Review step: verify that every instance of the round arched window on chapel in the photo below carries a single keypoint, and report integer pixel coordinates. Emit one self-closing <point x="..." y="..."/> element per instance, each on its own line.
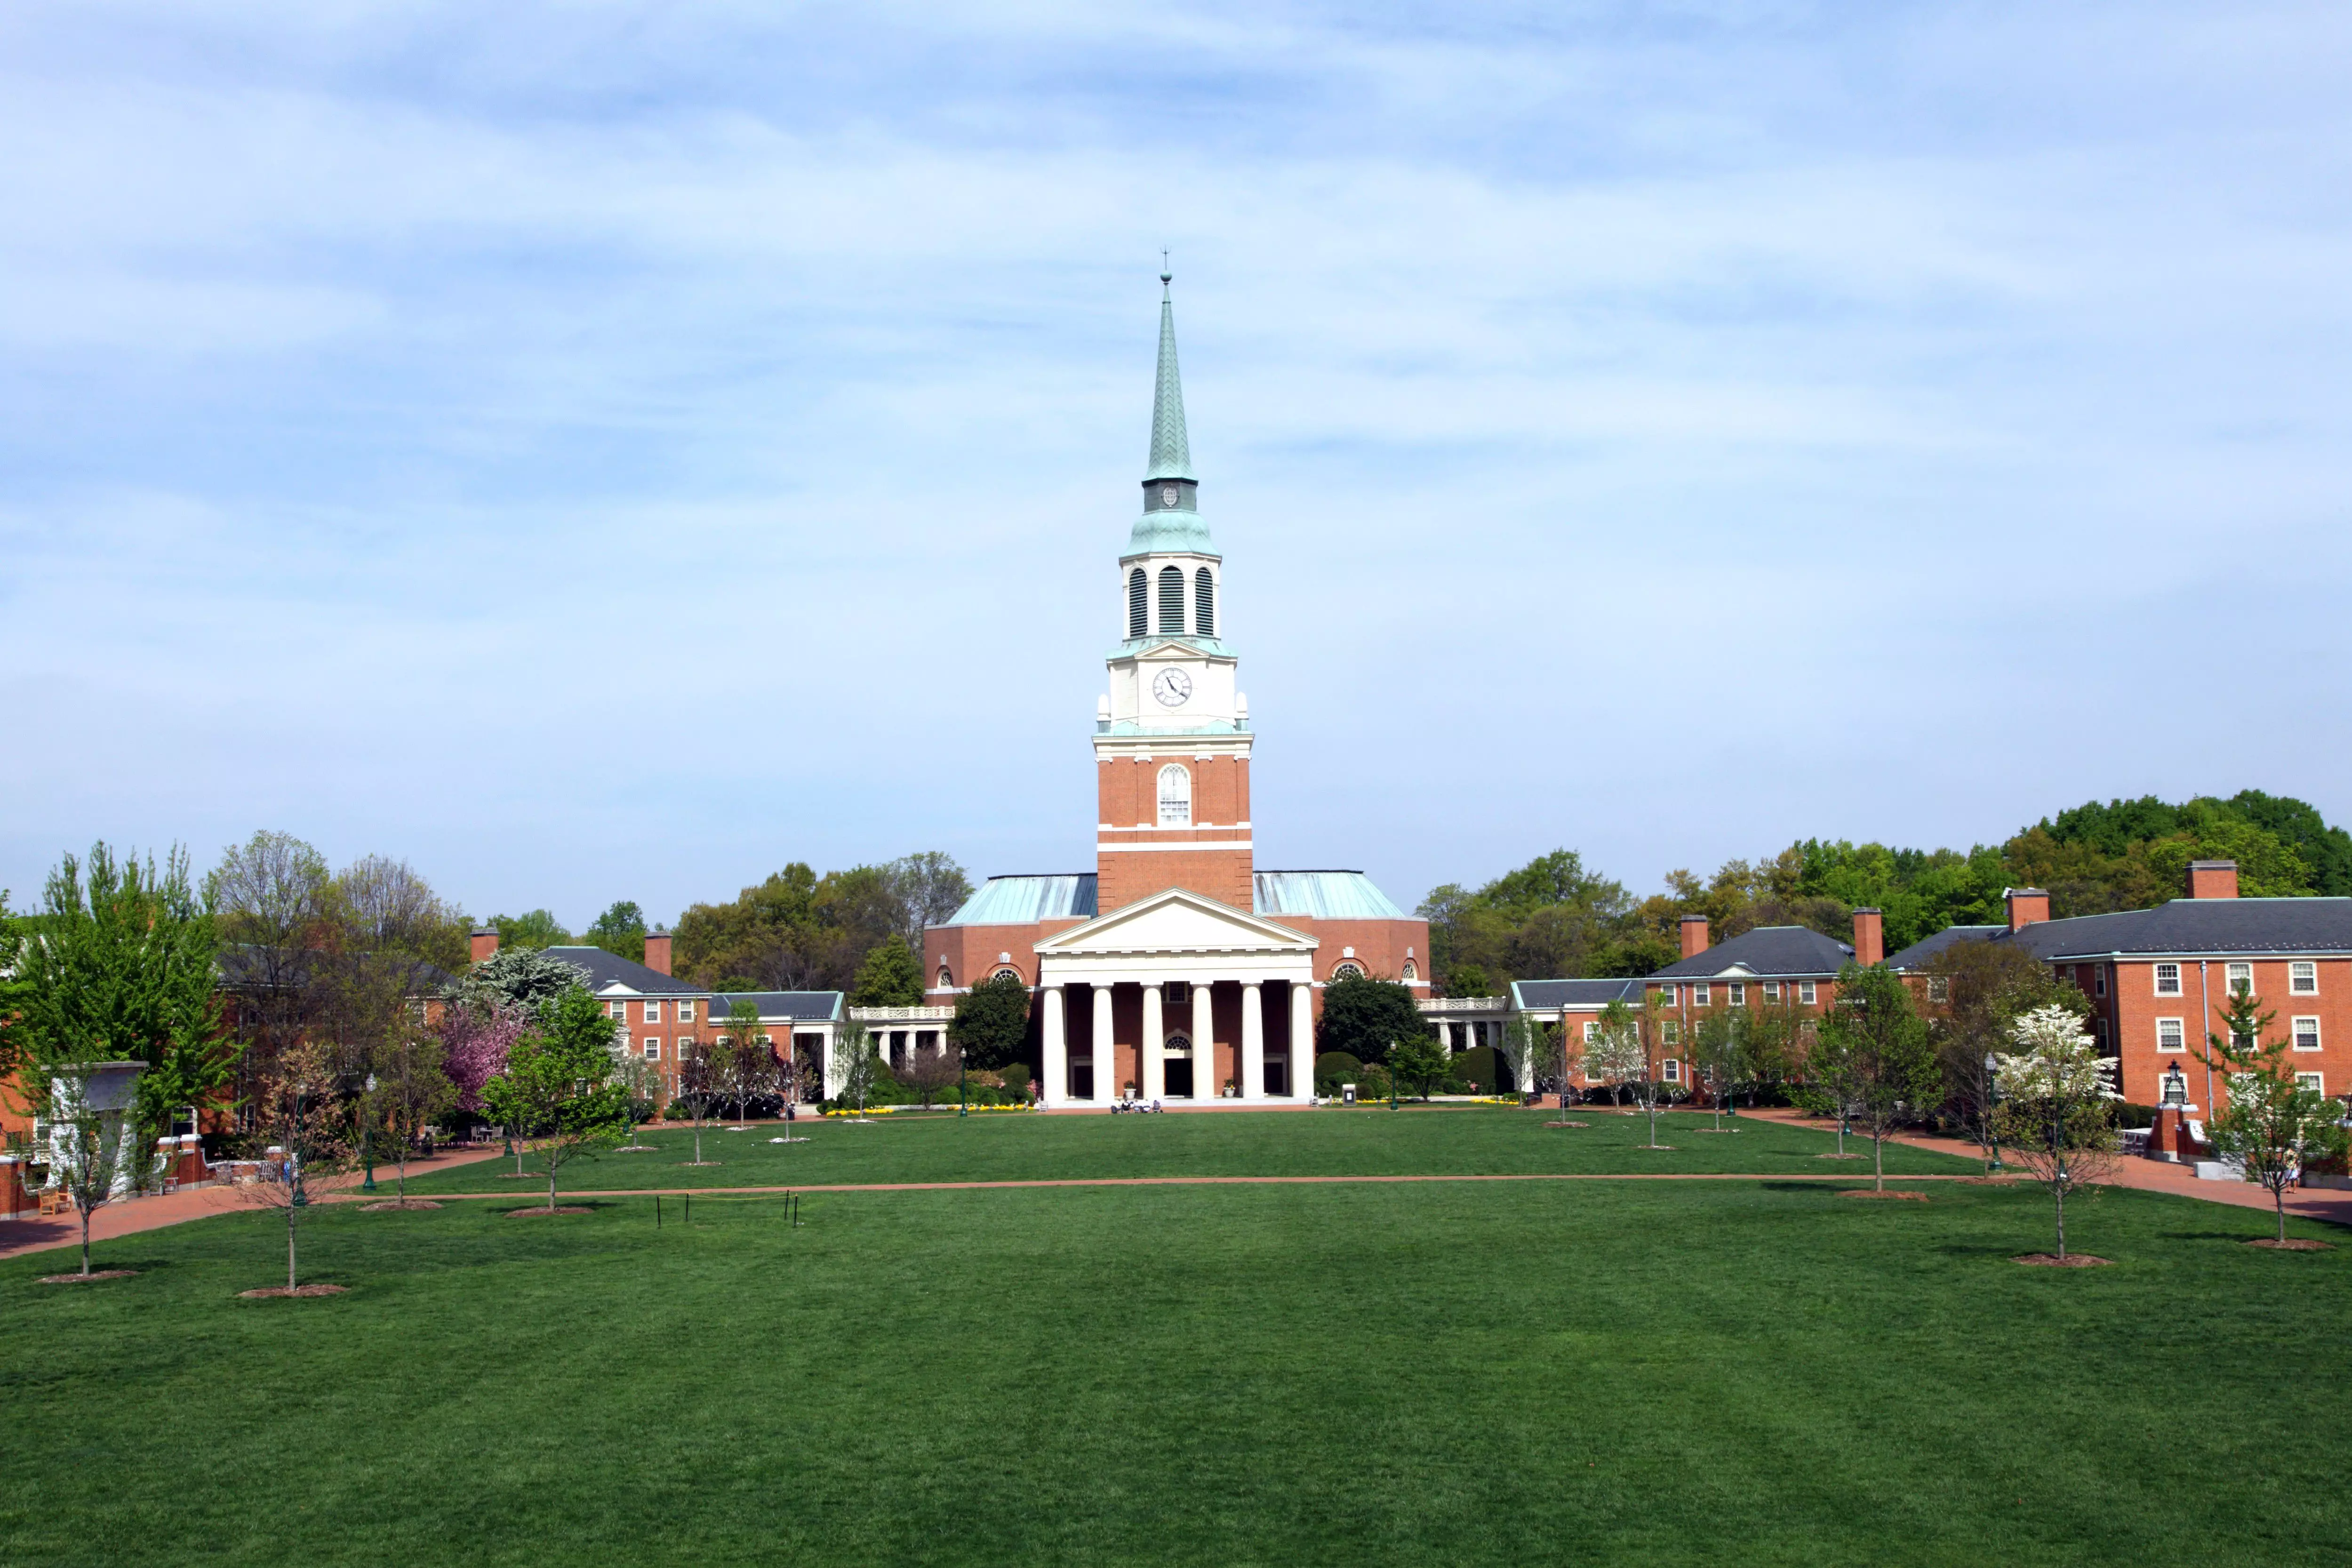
<point x="1175" y="796"/>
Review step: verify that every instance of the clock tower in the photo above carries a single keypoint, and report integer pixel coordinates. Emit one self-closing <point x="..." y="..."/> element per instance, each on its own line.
<point x="1172" y="735"/>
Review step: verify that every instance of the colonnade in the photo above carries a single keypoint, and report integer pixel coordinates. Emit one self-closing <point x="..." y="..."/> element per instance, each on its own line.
<point x="1199" y="1031"/>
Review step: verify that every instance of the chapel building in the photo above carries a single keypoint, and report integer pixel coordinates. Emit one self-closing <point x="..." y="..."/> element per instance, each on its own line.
<point x="1175" y="969"/>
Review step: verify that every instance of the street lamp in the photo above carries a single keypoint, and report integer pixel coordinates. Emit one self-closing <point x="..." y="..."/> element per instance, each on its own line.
<point x="1992" y="1098"/>
<point x="964" y="1082"/>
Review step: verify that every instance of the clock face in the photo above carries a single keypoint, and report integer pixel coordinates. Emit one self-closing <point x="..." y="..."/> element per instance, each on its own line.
<point x="1172" y="687"/>
<point x="1168" y="495"/>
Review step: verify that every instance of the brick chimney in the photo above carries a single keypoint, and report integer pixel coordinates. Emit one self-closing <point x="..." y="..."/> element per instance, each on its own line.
<point x="485" y="942"/>
<point x="1869" y="937"/>
<point x="1693" y="935"/>
<point x="657" y="952"/>
<point x="2027" y="906"/>
<point x="2212" y="878"/>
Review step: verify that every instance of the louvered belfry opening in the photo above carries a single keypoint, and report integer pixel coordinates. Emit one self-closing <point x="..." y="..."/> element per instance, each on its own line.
<point x="1172" y="599"/>
<point x="1135" y="598"/>
<point x="1205" y="603"/>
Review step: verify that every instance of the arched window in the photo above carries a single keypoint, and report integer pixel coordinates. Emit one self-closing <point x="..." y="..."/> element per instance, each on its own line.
<point x="1007" y="972"/>
<point x="1205" y="603"/>
<point x="1411" y="971"/>
<point x="1347" y="972"/>
<point x="947" y="978"/>
<point x="1172" y="599"/>
<point x="1134" y="626"/>
<point x="1175" y="796"/>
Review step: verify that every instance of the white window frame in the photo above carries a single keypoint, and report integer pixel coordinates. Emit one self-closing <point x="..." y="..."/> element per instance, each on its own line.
<point x="1939" y="988"/>
<point x="1735" y="994"/>
<point x="2158" y="972"/>
<point x="1702" y="994"/>
<point x="1669" y="1033"/>
<point x="2180" y="1036"/>
<point x="1806" y="992"/>
<point x="617" y="1010"/>
<point x="1667" y="997"/>
<point x="2315" y="1082"/>
<point x="1673" y="1070"/>
<point x="2099" y="981"/>
<point x="2296" y="1030"/>
<point x="652" y="1013"/>
<point x="1771" y="991"/>
<point x="653" y="1050"/>
<point x="2235" y="975"/>
<point x="2303" y="978"/>
<point x="1172" y="811"/>
<point x="1591" y="1030"/>
<point x="686" y="1011"/>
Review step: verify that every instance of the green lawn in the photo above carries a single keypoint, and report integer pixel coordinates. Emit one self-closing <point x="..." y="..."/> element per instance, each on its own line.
<point x="1329" y="1143"/>
<point x="1656" y="1373"/>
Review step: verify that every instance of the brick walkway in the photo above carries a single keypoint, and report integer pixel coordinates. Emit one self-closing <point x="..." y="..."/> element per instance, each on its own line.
<point x="158" y="1210"/>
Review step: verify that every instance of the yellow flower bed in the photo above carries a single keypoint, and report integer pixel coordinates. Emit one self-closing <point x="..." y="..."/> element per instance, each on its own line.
<point x="888" y="1109"/>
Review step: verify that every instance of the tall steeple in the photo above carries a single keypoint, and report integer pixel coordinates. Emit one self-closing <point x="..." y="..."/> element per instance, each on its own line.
<point x="1171" y="450"/>
<point x="1171" y="491"/>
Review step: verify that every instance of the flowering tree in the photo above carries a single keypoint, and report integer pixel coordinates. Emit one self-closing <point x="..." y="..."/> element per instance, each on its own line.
<point x="860" y="1068"/>
<point x="1616" y="1055"/>
<point x="2056" y="1104"/>
<point x="2272" y="1123"/>
<point x="476" y="1034"/>
<point x="300" y="1110"/>
<point x="558" y="1084"/>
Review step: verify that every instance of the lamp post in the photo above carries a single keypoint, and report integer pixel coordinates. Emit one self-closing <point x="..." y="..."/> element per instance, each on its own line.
<point x="963" y="1091"/>
<point x="1392" y="1103"/>
<point x="1992" y="1098"/>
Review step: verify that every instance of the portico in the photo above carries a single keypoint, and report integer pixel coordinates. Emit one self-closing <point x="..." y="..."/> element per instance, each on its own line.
<point x="1179" y="996"/>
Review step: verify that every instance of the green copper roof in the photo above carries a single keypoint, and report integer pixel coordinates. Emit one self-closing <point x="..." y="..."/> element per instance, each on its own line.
<point x="1177" y="532"/>
<point x="1171" y="451"/>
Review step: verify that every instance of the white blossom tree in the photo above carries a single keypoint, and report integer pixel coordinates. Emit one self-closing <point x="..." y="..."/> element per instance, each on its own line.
<point x="1616" y="1056"/>
<point x="2056" y="1105"/>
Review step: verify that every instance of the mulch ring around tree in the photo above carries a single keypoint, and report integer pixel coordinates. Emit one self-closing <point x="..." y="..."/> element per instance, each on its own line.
<point x="277" y="1290"/>
<point x="2292" y="1244"/>
<point x="85" y="1279"/>
<point x="542" y="1210"/>
<point x="2051" y="1261"/>
<point x="398" y="1203"/>
<point x="1837" y="1156"/>
<point x="1568" y="1124"/>
<point x="1889" y="1193"/>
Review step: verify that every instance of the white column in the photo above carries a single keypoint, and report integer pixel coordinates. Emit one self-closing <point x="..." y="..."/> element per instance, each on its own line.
<point x="1151" y="1079"/>
<point x="1106" y="1054"/>
<point x="1445" y="1034"/>
<point x="1206" y="1082"/>
<point x="1252" y="1071"/>
<point x="1057" y="1085"/>
<point x="1302" y="1041"/>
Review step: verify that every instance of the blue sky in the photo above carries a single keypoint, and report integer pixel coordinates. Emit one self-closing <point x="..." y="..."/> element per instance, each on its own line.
<point x="598" y="451"/>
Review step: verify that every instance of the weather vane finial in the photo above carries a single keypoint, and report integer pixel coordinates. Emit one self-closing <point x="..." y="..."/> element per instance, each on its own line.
<point x="1165" y="275"/>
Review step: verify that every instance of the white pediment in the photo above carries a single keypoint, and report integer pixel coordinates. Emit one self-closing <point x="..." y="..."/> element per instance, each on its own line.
<point x="1176" y="921"/>
<point x="1736" y="972"/>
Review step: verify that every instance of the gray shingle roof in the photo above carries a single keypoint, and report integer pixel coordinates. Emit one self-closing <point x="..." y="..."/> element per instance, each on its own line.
<point x="1546" y="994"/>
<point x="1920" y="952"/>
<point x="607" y="970"/>
<point x="1777" y="952"/>
<point x="2198" y="925"/>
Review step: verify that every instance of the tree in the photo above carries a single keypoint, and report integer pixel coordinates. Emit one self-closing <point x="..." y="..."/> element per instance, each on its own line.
<point x="533" y="929"/>
<point x="642" y="1081"/>
<point x="1718" y="1050"/>
<point x="120" y="963"/>
<point x="1363" y="1017"/>
<point x="1874" y="1056"/>
<point x="744" y="1064"/>
<point x="558" y="1086"/>
<point x="891" y="976"/>
<point x="699" y="1076"/>
<point x="860" y="1068"/>
<point x="2273" y="1123"/>
<point x="1616" y="1056"/>
<point x="1773" y="1040"/>
<point x="991" y="1022"/>
<point x="2055" y="1107"/>
<point x="476" y="1034"/>
<point x="1419" y="1060"/>
<point x="271" y="900"/>
<point x="300" y="1110"/>
<point x="522" y="978"/>
<point x="930" y="888"/>
<point x="620" y="930"/>
<point x="407" y="1088"/>
<point x="1546" y="1052"/>
<point x="928" y="1072"/>
<point x="1986" y="988"/>
<point x="98" y="1149"/>
<point x="1658" y="1037"/>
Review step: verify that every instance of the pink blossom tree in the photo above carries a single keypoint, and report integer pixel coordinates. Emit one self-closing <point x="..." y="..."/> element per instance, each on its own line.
<point x="476" y="1036"/>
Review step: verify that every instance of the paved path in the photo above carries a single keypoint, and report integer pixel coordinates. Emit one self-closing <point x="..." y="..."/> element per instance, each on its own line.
<point x="2132" y="1171"/>
<point x="158" y="1210"/>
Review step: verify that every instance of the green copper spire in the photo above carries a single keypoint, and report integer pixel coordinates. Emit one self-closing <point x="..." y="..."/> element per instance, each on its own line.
<point x="1171" y="452"/>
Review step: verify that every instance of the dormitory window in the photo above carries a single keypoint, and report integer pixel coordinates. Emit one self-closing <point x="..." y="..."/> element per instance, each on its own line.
<point x="1172" y="599"/>
<point x="1591" y="1031"/>
<point x="616" y="1010"/>
<point x="2169" y="1035"/>
<point x="2312" y="1082"/>
<point x="1175" y="796"/>
<point x="2241" y="979"/>
<point x="2303" y="979"/>
<point x="1805" y="992"/>
<point x="686" y="1011"/>
<point x="2306" y="1034"/>
<point x="1666" y="995"/>
<point x="1134" y="626"/>
<point x="1673" y="1070"/>
<point x="2167" y="980"/>
<point x="1205" y="603"/>
<point x="653" y="1012"/>
<point x="1771" y="991"/>
<point x="653" y="1050"/>
<point x="1672" y="1033"/>
<point x="1939" y="988"/>
<point x="2099" y="981"/>
<point x="1738" y="996"/>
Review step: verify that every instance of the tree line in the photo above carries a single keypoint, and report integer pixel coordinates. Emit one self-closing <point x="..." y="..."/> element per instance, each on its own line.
<point x="1555" y="918"/>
